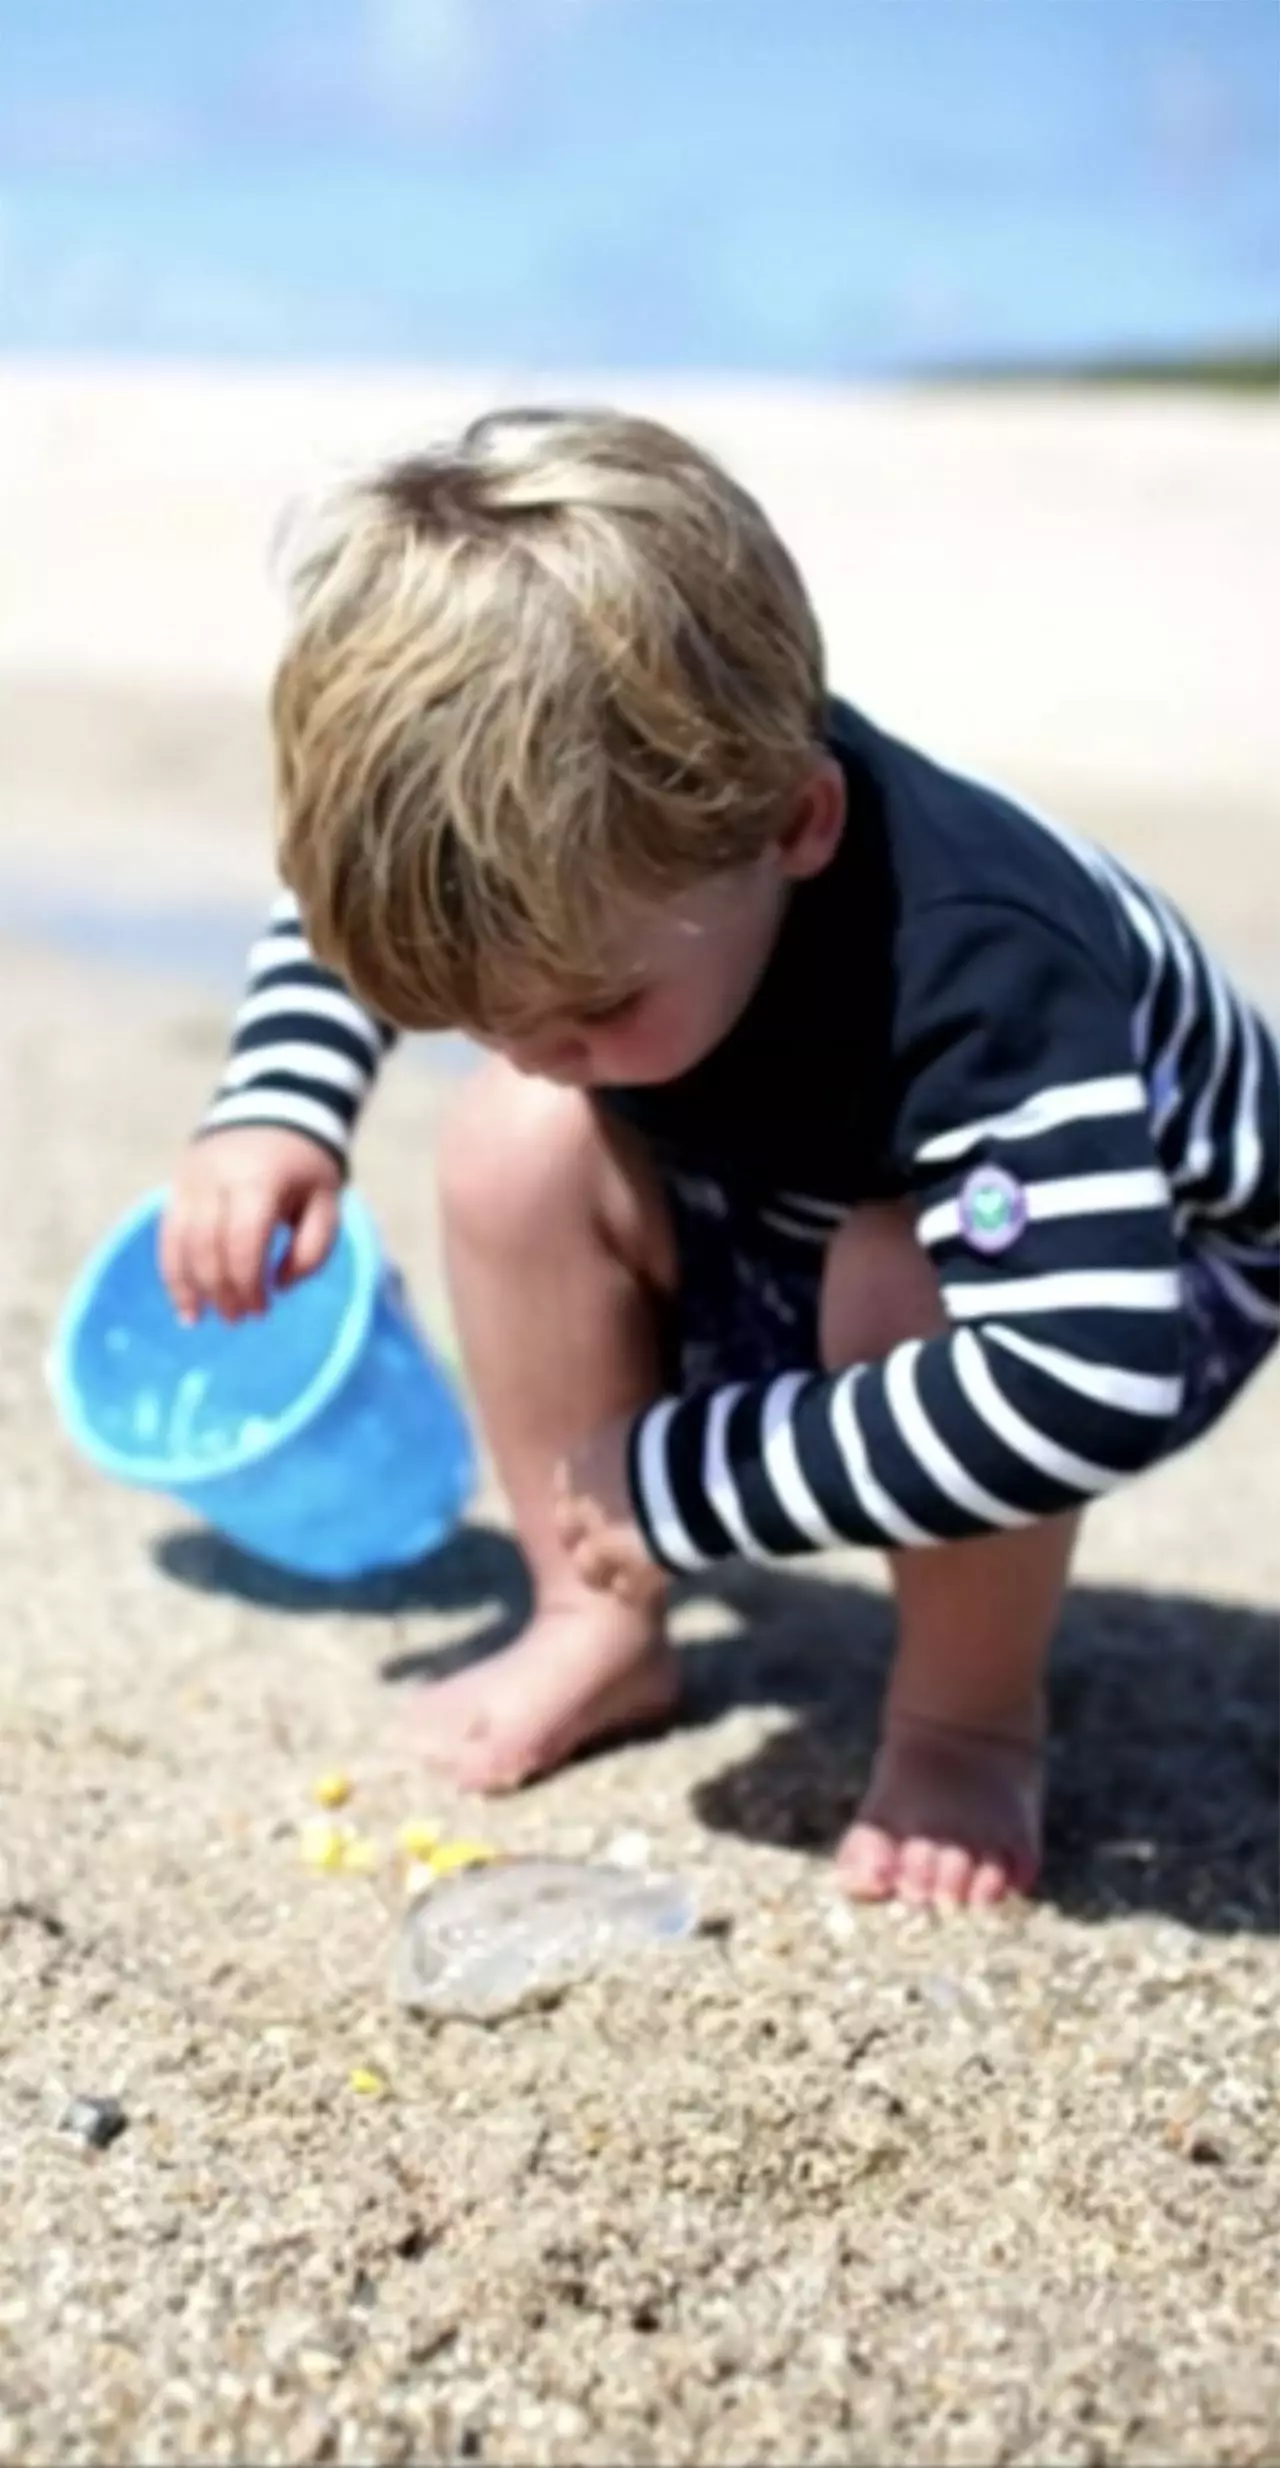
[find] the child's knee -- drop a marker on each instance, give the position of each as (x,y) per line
(513,1155)
(879,1288)
(522,1164)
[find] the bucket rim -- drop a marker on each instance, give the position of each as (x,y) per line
(192,1473)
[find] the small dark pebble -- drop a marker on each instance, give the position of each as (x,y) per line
(1206,2151)
(412,2243)
(35,1914)
(95,2122)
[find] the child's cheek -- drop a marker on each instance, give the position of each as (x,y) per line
(654,1045)
(662,1040)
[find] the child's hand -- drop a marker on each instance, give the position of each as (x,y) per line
(230,1193)
(595,1522)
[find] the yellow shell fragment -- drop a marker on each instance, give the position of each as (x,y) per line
(446,1860)
(363,2078)
(418,1838)
(332,1790)
(323,1844)
(337,1849)
(454,1855)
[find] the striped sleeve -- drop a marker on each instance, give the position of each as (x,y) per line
(304,1053)
(1024,1140)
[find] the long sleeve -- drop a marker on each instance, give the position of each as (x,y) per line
(304,1053)
(1023,1139)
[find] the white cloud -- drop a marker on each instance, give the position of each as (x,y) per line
(433,56)
(425,38)
(436,57)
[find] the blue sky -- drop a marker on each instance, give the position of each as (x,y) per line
(818,187)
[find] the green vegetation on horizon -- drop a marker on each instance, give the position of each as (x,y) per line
(1242,372)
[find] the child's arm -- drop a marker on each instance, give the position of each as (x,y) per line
(1026,1142)
(272,1148)
(304,1053)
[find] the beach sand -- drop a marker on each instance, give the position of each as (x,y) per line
(821,2186)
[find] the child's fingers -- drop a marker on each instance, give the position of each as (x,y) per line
(246,1236)
(175,1266)
(313,1236)
(202,1249)
(222,1289)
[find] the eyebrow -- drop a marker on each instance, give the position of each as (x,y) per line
(523,1024)
(602,997)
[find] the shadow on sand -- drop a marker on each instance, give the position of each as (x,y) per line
(1165,1758)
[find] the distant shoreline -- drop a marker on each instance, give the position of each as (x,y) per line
(1248,370)
(1233,372)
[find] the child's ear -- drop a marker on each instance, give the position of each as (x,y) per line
(813,834)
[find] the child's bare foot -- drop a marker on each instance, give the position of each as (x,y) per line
(579,1673)
(950,1817)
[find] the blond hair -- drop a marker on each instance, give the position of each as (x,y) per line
(561,663)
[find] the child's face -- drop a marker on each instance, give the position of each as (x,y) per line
(685,970)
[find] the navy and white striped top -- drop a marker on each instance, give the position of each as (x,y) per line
(972,1010)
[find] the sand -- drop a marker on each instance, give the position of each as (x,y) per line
(820,2186)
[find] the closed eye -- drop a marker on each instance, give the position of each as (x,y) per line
(603,1015)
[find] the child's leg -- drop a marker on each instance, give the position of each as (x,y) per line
(952,1813)
(557,1249)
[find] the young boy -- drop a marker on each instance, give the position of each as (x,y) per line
(858,1160)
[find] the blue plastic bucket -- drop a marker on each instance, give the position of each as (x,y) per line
(323,1436)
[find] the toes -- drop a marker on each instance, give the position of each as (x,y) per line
(874,1867)
(489,1777)
(460,1743)
(484,1762)
(918,1870)
(868,1864)
(991,1882)
(953,1878)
